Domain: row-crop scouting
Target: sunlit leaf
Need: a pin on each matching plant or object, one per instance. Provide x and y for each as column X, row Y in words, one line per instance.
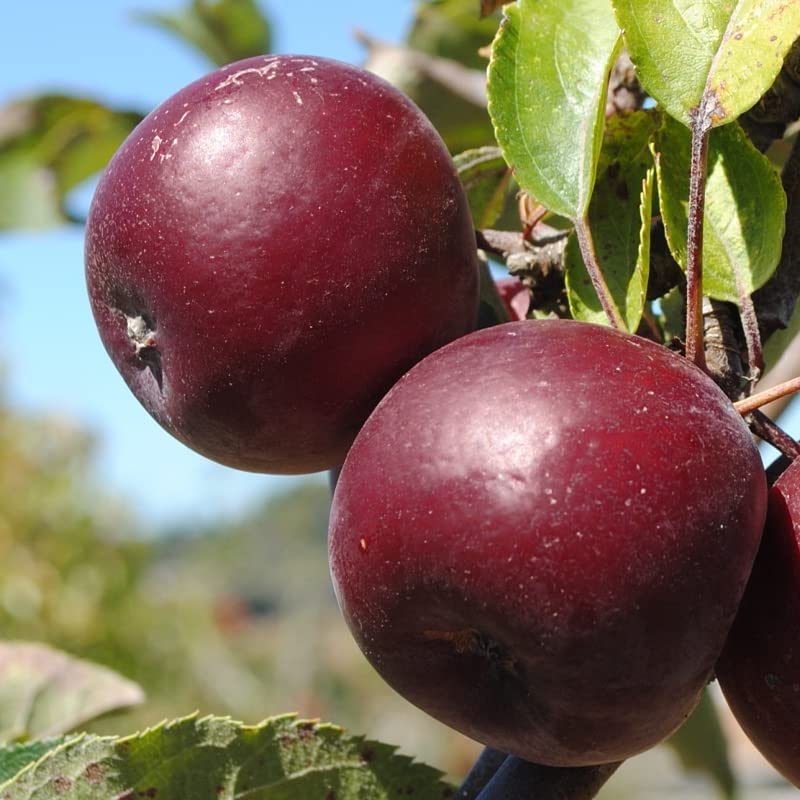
column 15, row 757
column 744, row 209
column 44, row 692
column 279, row 759
column 619, row 216
column 716, row 56
column 547, row 86
column 224, row 30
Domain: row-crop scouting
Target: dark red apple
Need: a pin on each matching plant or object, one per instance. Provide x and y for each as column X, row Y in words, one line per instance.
column 759, row 670
column 542, row 534
column 270, row 250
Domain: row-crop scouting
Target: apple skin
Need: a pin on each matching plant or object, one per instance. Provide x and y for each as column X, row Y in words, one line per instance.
column 270, row 250
column 548, row 559
column 759, row 670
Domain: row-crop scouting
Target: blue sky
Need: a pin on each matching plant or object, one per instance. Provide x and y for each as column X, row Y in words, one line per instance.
column 49, row 344
column 54, row 357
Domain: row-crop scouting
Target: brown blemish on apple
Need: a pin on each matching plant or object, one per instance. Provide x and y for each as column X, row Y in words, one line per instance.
column 468, row 641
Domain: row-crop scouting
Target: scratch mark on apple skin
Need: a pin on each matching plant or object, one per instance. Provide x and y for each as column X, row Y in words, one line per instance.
column 236, row 78
column 156, row 143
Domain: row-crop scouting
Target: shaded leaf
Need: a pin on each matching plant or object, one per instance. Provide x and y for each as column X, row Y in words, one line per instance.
column 224, row 31
column 717, row 56
column 547, row 85
column 44, row 692
column 279, row 759
column 49, row 145
column 15, row 757
column 701, row 746
column 619, row 216
column 485, row 177
column 744, row 210
column 671, row 314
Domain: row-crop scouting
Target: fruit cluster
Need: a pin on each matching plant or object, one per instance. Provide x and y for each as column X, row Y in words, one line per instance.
column 542, row 533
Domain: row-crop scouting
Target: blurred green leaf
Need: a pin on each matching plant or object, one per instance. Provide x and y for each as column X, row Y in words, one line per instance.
column 715, row 56
column 701, row 746
column 448, row 32
column 49, row 145
column 224, row 31
column 15, row 757
column 547, row 85
column 282, row 758
column 745, row 209
column 44, row 692
column 619, row 216
column 452, row 29
column 485, row 177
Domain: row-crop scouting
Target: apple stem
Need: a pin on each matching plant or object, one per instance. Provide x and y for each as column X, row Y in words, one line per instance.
column 521, row 780
column 752, row 335
column 586, row 243
column 762, row 426
column 695, row 350
column 749, row 404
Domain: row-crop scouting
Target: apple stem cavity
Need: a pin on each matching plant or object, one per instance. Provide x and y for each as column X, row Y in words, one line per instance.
column 142, row 335
column 522, row 780
column 586, row 244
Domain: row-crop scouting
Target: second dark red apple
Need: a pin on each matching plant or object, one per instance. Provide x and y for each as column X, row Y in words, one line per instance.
column 542, row 534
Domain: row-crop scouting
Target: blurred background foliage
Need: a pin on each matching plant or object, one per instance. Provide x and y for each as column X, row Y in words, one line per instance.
column 237, row 618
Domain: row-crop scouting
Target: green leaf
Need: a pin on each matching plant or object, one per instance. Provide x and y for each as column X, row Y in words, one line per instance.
column 548, row 79
column 28, row 195
column 717, row 56
column 701, row 746
column 280, row 759
column 450, row 34
column 225, row 30
column 44, row 692
column 486, row 179
column 744, row 210
column 15, row 757
column 48, row 146
column 619, row 217
column 451, row 29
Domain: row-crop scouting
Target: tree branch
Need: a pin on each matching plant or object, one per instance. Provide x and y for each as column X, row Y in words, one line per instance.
column 521, row 780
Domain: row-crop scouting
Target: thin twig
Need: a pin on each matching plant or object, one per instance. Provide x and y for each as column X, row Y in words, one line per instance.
column 695, row 351
column 521, row 780
column 483, row 770
column 749, row 404
column 752, row 336
column 768, row 430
